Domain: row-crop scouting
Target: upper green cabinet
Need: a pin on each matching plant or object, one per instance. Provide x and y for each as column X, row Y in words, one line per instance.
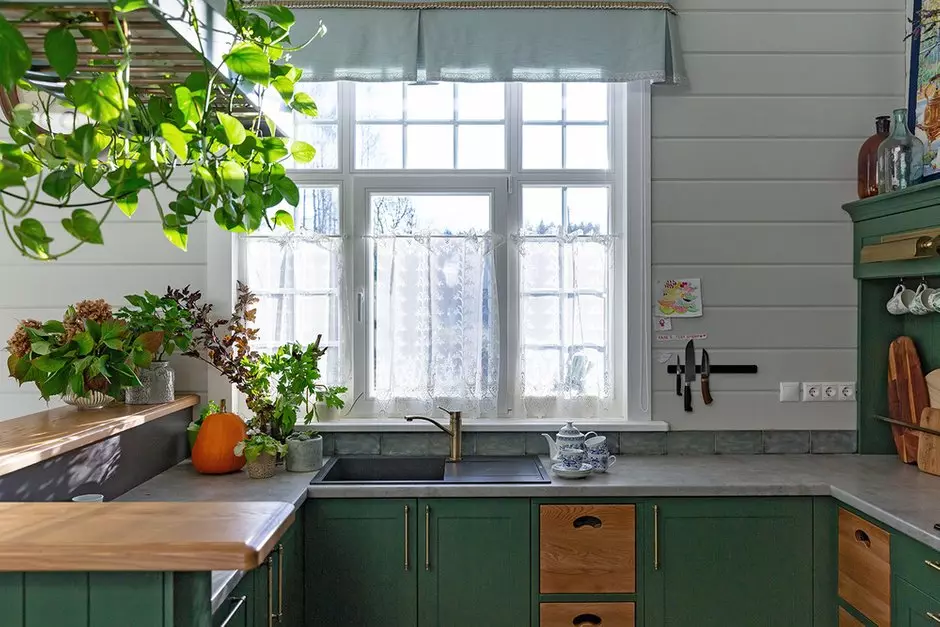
column 730, row 561
column 407, row 562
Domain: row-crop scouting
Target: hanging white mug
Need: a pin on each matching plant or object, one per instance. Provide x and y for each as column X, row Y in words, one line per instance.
column 920, row 304
column 900, row 302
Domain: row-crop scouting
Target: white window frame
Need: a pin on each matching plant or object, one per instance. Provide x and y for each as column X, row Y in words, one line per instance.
column 629, row 143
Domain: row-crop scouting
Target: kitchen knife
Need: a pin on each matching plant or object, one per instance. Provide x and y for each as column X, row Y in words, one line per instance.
column 689, row 375
column 678, row 376
column 706, row 371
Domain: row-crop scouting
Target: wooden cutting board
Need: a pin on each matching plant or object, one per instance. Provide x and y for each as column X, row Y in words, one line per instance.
column 928, row 446
column 907, row 395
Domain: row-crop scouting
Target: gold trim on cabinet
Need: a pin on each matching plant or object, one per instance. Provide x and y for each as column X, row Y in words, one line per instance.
column 933, row 617
column 407, row 548
column 656, row 537
column 270, row 562
column 427, row 537
column 934, row 565
column 280, row 582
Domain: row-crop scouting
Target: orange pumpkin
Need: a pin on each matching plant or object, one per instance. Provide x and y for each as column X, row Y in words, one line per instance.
column 213, row 453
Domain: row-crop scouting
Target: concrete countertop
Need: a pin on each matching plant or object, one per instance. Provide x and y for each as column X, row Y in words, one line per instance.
column 880, row 486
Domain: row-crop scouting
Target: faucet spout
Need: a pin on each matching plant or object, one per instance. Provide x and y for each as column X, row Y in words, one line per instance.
column 455, row 432
column 432, row 421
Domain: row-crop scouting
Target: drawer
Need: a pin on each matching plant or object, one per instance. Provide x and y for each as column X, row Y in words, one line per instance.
column 586, row 614
column 847, row 620
column 587, row 549
column 865, row 567
column 917, row 563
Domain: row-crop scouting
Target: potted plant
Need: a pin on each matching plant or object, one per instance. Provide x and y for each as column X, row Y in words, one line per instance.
column 87, row 358
column 149, row 312
column 192, row 429
column 260, row 451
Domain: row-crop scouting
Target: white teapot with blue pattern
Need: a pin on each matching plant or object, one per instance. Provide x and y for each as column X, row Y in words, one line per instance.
column 568, row 437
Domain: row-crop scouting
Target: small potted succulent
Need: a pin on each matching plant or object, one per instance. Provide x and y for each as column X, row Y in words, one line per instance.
column 260, row 451
column 88, row 357
column 149, row 312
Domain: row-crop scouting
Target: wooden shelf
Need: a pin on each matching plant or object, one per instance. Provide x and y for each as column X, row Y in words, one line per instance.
column 37, row 437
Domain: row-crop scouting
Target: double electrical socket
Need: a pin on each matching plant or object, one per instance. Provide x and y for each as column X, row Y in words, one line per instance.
column 819, row 392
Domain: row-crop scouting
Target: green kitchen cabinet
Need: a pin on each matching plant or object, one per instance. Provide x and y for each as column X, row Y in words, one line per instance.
column 913, row 608
column 475, row 564
column 729, row 561
column 238, row 609
column 408, row 562
column 290, row 572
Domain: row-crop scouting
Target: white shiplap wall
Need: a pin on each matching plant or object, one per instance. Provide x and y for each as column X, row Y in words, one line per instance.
column 752, row 160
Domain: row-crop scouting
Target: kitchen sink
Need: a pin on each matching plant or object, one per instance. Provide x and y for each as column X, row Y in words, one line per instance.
column 378, row 469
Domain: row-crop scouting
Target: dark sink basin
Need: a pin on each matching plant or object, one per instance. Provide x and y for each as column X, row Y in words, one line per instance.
column 377, row 469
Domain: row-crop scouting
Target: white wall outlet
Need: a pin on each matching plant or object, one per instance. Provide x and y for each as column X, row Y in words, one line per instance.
column 830, row 391
column 847, row 391
column 812, row 392
column 789, row 391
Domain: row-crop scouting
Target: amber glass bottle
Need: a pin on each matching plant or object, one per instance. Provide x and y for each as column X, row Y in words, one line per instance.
column 868, row 158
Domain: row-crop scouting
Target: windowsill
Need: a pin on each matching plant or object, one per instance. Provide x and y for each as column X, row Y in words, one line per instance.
column 470, row 425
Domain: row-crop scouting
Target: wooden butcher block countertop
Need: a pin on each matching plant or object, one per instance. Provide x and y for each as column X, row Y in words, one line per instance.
column 28, row 440
column 127, row 536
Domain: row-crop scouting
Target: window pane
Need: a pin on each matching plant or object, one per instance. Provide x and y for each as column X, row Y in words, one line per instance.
column 275, row 319
column 541, row 371
column 541, row 210
column 324, row 94
column 430, row 102
column 318, row 211
column 317, row 265
column 378, row 147
column 542, row 323
column 586, row 147
column 269, row 264
column 325, row 139
column 541, row 266
column 436, row 214
column 379, row 101
column 588, row 210
column 590, row 263
column 586, row 317
column 481, row 101
column 541, row 147
column 313, row 318
column 481, row 147
column 586, row 102
column 541, row 102
column 430, row 147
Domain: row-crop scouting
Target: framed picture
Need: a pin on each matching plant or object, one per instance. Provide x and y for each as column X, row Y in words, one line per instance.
column 923, row 80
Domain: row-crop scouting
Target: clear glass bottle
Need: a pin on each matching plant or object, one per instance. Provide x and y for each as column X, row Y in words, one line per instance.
column 868, row 158
column 900, row 157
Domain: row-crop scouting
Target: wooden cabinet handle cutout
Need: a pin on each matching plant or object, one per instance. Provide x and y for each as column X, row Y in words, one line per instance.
column 862, row 537
column 587, row 521
column 586, row 620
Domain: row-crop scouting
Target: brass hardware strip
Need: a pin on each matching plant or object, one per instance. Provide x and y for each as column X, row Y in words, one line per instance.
column 933, row 617
column 239, row 602
column 427, row 537
column 931, row 232
column 934, row 565
column 900, row 250
column 469, row 5
column 656, row 537
column 407, row 548
column 270, row 562
column 901, row 423
column 280, row 582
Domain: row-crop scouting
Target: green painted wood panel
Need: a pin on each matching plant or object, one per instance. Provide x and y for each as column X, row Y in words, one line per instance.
column 912, row 607
column 355, row 563
column 238, row 614
column 732, row 561
column 191, row 599
column 825, row 562
column 477, row 569
column 11, row 599
column 59, row 599
column 292, row 571
column 115, row 597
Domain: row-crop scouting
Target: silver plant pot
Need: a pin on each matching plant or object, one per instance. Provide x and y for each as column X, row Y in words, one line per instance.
column 157, row 385
column 305, row 455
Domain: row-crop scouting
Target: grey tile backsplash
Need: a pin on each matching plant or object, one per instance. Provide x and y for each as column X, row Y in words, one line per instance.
column 625, row 443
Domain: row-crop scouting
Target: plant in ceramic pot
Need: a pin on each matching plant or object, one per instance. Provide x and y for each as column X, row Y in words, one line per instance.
column 260, row 451
column 88, row 357
column 149, row 312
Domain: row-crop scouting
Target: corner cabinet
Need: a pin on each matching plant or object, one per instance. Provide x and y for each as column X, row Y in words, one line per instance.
column 425, row 562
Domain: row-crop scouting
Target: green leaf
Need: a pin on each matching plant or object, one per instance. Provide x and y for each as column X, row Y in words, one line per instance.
column 47, row 363
column 127, row 204
column 302, row 152
column 87, row 143
column 102, row 365
column 187, row 106
column 84, row 342
column 61, row 51
column 249, row 60
column 233, row 175
column 99, row 99
column 22, row 115
column 77, row 383
column 303, row 103
column 99, row 39
column 126, row 6
column 175, row 139
column 94, row 328
column 279, row 15
column 53, row 326
column 178, row 235
column 15, row 57
column 83, row 226
column 91, row 176
column 41, row 348
column 113, row 343
column 272, row 149
column 289, row 190
column 60, row 182
column 32, row 235
column 285, row 87
column 234, row 131
column 285, row 219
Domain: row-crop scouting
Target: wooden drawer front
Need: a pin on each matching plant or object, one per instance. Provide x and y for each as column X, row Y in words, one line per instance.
column 586, row 614
column 917, row 563
column 587, row 548
column 847, row 620
column 865, row 567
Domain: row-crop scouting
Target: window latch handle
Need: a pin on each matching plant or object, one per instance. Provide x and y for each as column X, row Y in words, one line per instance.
column 360, row 303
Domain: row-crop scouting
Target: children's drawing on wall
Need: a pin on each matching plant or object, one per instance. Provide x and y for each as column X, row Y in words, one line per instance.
column 679, row 298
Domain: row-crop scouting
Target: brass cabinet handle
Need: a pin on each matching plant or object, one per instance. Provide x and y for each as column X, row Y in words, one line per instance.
column 239, row 602
column 270, row 562
column 407, row 548
column 280, row 582
column 427, row 537
column 656, row 537
column 934, row 565
column 933, row 617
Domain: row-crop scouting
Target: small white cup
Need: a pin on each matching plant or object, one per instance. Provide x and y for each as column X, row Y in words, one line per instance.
column 933, row 301
column 920, row 303
column 900, row 302
column 88, row 498
column 571, row 458
column 600, row 462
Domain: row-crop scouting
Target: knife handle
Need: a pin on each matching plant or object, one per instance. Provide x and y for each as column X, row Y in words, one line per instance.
column 706, row 391
column 678, row 382
column 687, row 398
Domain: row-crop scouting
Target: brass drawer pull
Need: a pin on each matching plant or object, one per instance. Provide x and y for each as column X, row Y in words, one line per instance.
column 427, row 537
column 280, row 582
column 933, row 617
column 588, row 521
column 239, row 602
column 407, row 548
column 656, row 537
column 934, row 565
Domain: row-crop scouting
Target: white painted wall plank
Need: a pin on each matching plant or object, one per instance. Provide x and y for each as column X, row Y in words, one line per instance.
column 751, row 410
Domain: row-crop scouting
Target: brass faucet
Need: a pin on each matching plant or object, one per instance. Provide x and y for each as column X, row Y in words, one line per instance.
column 455, row 431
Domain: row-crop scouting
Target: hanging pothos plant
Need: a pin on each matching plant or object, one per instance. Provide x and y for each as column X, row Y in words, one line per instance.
column 123, row 142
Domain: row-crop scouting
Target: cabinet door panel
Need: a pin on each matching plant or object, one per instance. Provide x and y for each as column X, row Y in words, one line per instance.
column 290, row 573
column 913, row 608
column 235, row 612
column 731, row 562
column 477, row 570
column 356, row 563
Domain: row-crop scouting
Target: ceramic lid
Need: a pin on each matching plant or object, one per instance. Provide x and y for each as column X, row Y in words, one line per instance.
column 569, row 431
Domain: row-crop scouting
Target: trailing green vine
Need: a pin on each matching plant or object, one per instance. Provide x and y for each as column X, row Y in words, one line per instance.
column 124, row 143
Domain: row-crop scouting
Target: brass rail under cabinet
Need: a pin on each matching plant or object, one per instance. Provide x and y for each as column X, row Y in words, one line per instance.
column 922, row 244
